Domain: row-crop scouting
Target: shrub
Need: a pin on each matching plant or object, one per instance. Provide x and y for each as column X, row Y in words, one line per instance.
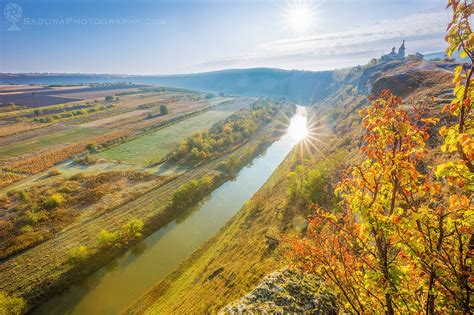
column 78, row 254
column 109, row 98
column 309, row 184
column 23, row 196
column 26, row 228
column 24, row 241
column 10, row 305
column 6, row 228
column 134, row 228
column 53, row 201
column 32, row 217
column 163, row 110
column 91, row 147
column 192, row 191
column 106, row 238
column 86, row 160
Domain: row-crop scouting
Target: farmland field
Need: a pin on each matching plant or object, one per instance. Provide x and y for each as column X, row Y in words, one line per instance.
column 44, row 96
column 36, row 138
column 66, row 179
column 65, row 137
column 156, row 145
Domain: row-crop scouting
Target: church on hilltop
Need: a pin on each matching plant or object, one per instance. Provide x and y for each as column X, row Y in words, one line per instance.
column 393, row 55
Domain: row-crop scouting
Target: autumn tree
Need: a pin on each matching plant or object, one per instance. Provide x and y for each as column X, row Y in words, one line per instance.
column 458, row 172
column 402, row 240
column 357, row 250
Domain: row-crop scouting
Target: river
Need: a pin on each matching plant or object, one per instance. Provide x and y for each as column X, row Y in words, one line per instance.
column 117, row 285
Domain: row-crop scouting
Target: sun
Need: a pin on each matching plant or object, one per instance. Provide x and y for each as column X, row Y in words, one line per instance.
column 299, row 16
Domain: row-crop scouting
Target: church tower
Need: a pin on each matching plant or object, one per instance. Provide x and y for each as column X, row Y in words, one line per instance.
column 401, row 50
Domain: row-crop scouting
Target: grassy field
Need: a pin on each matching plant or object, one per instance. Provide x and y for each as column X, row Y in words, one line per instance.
column 156, row 145
column 65, row 137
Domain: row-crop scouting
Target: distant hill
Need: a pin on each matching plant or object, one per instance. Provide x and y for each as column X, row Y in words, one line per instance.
column 302, row 87
column 442, row 54
column 299, row 86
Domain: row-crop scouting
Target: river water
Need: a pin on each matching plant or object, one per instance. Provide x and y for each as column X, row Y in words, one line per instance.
column 121, row 282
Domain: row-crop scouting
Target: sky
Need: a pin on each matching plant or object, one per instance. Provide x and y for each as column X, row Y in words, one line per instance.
column 188, row 36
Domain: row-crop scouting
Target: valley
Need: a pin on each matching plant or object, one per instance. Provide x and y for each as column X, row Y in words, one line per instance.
column 170, row 201
column 256, row 241
column 78, row 186
column 236, row 157
column 154, row 257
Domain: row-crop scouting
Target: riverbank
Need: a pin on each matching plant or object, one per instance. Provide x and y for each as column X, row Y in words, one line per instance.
column 114, row 287
column 45, row 270
column 232, row 262
column 235, row 259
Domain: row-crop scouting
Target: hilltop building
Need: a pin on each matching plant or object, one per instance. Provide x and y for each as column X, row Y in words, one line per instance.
column 393, row 55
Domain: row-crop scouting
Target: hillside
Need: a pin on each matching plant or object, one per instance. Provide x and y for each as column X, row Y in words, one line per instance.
column 250, row 246
column 298, row 86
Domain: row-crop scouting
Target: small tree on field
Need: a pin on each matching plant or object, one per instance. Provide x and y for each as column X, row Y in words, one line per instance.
column 91, row 147
column 163, row 110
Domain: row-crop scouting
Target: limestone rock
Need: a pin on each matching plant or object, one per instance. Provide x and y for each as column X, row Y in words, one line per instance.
column 284, row 292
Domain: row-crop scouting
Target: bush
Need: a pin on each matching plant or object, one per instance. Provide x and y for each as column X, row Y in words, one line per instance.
column 32, row 217
column 109, row 98
column 192, row 191
column 134, row 228
column 91, row 147
column 53, row 201
column 79, row 254
column 106, row 238
column 86, row 160
column 26, row 228
column 23, row 196
column 163, row 110
column 10, row 305
column 311, row 184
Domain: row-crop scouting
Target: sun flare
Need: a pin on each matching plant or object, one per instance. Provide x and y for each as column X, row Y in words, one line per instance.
column 299, row 16
column 298, row 128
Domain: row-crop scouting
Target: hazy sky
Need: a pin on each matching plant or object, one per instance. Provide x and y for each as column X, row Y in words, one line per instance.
column 163, row 37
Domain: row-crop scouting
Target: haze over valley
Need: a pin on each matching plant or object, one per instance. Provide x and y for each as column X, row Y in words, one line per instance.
column 230, row 157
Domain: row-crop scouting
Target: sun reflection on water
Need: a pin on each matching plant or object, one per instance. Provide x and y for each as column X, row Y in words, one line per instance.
column 298, row 128
column 310, row 132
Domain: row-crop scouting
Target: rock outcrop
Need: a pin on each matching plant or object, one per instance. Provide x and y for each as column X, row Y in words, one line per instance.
column 284, row 292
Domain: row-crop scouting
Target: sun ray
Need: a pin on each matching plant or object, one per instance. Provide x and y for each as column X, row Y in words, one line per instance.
column 299, row 16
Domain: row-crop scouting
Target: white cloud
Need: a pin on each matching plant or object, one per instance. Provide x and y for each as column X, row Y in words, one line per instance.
column 423, row 33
